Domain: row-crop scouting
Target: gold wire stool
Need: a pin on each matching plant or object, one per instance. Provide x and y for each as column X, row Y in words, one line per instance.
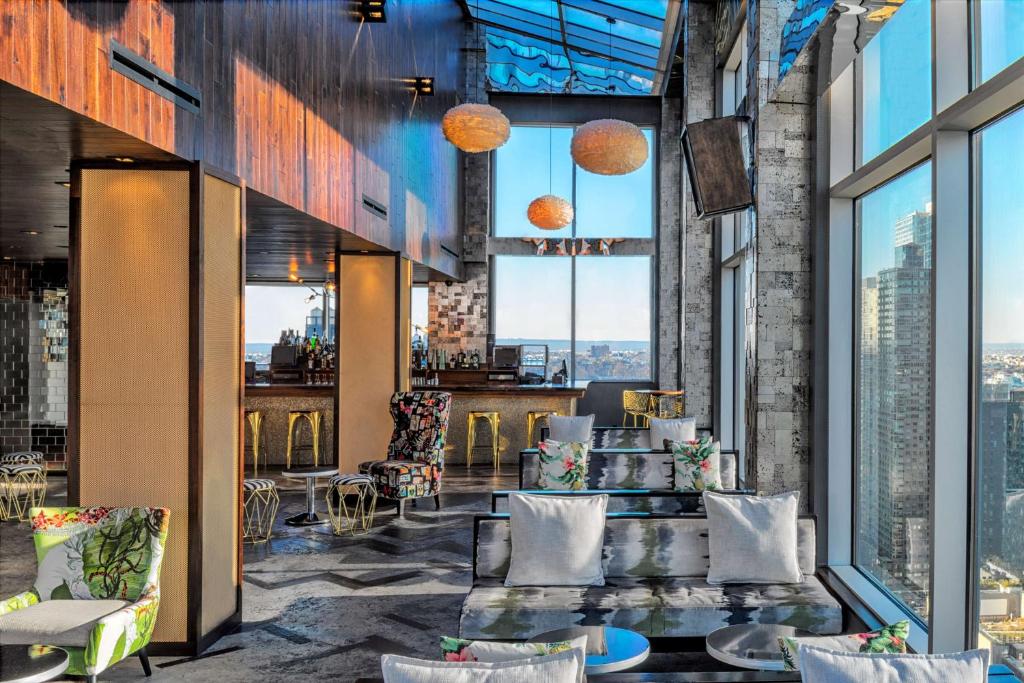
column 636, row 404
column 313, row 416
column 22, row 487
column 493, row 419
column 259, row 509
column 532, row 418
column 354, row 516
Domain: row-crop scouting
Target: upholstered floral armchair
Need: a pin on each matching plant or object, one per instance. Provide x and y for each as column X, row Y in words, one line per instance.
column 97, row 586
column 415, row 458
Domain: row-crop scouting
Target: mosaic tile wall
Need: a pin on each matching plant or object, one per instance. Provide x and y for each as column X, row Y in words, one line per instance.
column 33, row 359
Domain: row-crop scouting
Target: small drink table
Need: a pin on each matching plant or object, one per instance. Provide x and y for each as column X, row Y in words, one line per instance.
column 31, row 663
column 310, row 474
column 752, row 646
column 625, row 648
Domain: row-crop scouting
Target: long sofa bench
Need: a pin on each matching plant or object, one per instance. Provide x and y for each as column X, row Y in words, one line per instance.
column 662, row 501
column 621, row 468
column 655, row 570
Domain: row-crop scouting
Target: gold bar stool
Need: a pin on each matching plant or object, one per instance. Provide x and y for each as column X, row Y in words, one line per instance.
column 313, row 416
column 255, row 420
column 532, row 418
column 494, row 419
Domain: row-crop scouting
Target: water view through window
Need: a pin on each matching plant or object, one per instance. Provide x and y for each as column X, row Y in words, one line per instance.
column 533, row 305
column 893, row 408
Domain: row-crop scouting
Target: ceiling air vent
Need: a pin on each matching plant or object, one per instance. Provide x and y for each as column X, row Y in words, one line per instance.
column 150, row 76
column 375, row 207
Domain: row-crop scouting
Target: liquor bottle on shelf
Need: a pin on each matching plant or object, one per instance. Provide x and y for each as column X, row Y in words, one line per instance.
column 474, row 360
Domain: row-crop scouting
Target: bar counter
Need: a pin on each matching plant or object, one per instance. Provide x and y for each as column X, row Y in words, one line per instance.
column 512, row 402
column 275, row 401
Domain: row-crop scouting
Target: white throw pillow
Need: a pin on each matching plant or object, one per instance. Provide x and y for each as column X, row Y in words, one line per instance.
column 560, row 668
column 462, row 650
column 753, row 539
column 556, row 540
column 827, row 666
column 577, row 428
column 674, row 429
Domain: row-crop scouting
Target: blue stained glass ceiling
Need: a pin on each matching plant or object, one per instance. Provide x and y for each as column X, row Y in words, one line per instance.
column 608, row 47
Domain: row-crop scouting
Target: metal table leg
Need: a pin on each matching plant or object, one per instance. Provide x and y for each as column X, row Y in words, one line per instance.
column 309, row 517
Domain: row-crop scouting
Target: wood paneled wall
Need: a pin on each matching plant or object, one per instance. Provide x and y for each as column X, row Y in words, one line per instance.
column 300, row 99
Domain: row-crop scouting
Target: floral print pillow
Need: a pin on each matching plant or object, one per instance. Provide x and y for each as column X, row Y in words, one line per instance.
column 462, row 650
column 563, row 465
column 697, row 464
column 891, row 639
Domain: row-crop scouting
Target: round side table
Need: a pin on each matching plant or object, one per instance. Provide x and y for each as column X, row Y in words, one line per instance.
column 752, row 646
column 31, row 663
column 624, row 648
column 310, row 474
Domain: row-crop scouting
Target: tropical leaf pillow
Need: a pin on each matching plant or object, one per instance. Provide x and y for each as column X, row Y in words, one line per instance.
column 891, row 639
column 697, row 464
column 462, row 650
column 563, row 465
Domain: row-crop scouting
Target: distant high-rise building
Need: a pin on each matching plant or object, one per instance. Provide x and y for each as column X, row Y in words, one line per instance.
column 895, row 421
column 916, row 228
column 600, row 350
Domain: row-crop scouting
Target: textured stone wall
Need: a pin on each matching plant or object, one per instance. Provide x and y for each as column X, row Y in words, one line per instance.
column 699, row 268
column 670, row 247
column 779, row 303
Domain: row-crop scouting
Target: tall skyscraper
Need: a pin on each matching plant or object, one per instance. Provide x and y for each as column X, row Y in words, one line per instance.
column 895, row 427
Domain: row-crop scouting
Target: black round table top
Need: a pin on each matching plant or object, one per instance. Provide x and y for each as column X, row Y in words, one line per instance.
column 31, row 663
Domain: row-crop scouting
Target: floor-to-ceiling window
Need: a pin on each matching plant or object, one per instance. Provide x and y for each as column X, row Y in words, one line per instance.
column 585, row 290
column 999, row 148
column 734, row 271
column 893, row 407
column 925, row 357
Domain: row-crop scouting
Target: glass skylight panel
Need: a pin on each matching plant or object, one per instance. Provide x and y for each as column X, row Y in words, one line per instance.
column 582, row 46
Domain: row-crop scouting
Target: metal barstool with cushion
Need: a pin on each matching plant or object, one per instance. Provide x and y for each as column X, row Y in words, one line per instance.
column 493, row 419
column 532, row 418
column 313, row 417
column 260, row 500
column 351, row 502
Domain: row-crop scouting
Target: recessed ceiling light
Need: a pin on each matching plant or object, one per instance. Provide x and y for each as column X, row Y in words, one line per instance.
column 29, row 232
column 62, row 183
column 364, row 251
column 123, row 160
column 7, row 258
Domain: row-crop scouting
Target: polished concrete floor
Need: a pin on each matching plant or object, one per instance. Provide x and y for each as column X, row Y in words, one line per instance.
column 321, row 607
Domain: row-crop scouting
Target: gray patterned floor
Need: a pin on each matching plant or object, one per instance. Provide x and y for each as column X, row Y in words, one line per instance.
column 320, row 607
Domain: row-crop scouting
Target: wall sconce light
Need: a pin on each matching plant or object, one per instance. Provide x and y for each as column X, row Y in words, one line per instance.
column 123, row 160
column 372, row 11
column 423, row 85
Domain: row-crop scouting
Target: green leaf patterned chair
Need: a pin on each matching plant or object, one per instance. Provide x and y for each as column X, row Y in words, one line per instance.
column 97, row 586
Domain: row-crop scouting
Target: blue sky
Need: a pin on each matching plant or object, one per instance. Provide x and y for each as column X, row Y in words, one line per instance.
column 1002, row 230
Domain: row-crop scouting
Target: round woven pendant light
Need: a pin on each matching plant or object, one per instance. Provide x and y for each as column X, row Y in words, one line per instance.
column 609, row 147
column 475, row 127
column 549, row 212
